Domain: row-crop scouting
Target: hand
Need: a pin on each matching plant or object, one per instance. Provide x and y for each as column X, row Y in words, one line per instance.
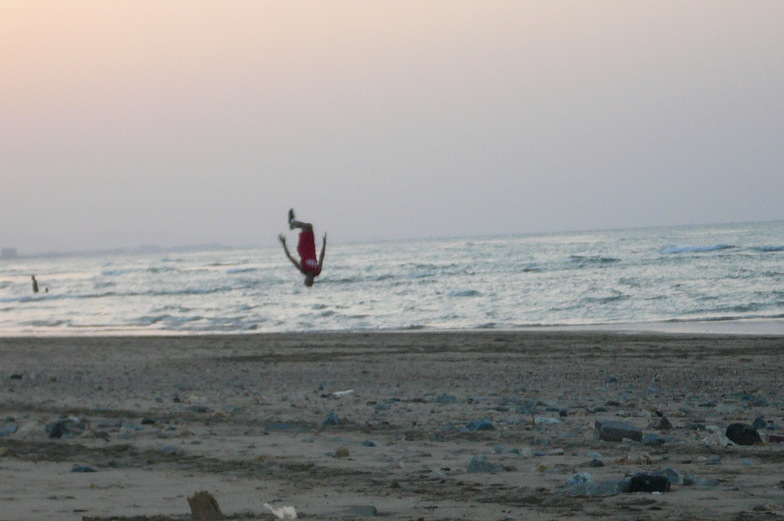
column 282, row 239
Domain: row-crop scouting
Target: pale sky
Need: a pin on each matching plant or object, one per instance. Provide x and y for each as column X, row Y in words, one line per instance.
column 174, row 123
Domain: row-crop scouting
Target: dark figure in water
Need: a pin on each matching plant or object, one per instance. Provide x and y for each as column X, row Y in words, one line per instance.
column 308, row 265
column 35, row 284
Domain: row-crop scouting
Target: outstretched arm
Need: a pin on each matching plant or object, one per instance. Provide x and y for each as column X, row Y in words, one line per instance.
column 282, row 239
column 323, row 251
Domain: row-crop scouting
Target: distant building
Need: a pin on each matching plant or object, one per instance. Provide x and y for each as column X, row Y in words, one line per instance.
column 8, row 253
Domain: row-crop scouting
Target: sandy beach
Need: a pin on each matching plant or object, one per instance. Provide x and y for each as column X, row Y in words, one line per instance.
column 401, row 426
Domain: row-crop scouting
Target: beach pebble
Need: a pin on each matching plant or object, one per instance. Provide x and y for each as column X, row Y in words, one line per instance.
column 655, row 440
column 672, row 475
column 615, row 431
column 716, row 439
column 583, row 484
column 66, row 428
column 332, row 419
column 8, row 428
column 662, row 424
column 6, row 452
column 446, row 399
column 483, row 425
column 82, row 468
column 743, row 434
column 644, row 482
column 594, row 463
column 480, row 464
column 342, row 452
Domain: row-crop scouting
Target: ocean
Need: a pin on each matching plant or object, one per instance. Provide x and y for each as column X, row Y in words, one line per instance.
column 669, row 278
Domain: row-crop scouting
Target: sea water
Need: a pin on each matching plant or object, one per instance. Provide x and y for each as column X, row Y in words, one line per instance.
column 728, row 274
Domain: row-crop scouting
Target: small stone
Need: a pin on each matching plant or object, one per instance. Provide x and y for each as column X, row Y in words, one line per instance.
column 649, row 483
column 332, row 419
column 594, row 463
column 482, row 425
column 342, row 452
column 615, row 431
column 446, row 398
column 672, row 475
column 8, row 428
column 480, row 464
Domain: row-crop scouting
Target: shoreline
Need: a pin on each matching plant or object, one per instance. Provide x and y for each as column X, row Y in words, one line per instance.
column 427, row 425
column 746, row 327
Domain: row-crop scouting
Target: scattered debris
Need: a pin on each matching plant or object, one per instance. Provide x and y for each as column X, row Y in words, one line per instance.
column 286, row 512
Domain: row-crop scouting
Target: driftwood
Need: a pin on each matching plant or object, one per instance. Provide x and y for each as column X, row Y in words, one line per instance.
column 204, row 507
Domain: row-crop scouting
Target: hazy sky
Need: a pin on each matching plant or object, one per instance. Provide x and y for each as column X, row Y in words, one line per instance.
column 186, row 122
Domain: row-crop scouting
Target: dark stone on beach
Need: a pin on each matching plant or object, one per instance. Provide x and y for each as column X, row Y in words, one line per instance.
column 664, row 424
column 198, row 408
column 446, row 398
column 110, row 424
column 649, row 483
column 759, row 423
column 654, row 440
column 480, row 464
column 8, row 428
column 755, row 401
column 117, row 464
column 672, row 475
column 615, row 431
column 332, row 419
column 743, row 434
column 16, row 376
column 594, row 463
column 482, row 425
column 82, row 468
column 65, row 428
column 148, row 421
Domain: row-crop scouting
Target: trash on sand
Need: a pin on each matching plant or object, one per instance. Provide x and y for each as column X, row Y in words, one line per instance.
column 282, row 512
column 204, row 507
column 339, row 394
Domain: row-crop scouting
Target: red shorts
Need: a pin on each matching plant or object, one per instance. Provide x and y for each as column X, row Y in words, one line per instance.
column 307, row 252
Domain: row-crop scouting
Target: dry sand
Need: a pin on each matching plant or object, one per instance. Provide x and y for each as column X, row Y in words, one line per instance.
column 247, row 418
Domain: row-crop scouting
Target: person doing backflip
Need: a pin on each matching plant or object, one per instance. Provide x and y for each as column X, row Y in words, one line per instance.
column 306, row 247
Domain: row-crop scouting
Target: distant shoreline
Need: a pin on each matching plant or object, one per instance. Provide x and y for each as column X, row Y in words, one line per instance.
column 737, row 328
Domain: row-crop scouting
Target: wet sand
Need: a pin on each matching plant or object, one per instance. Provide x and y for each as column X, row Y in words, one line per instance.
column 416, row 425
